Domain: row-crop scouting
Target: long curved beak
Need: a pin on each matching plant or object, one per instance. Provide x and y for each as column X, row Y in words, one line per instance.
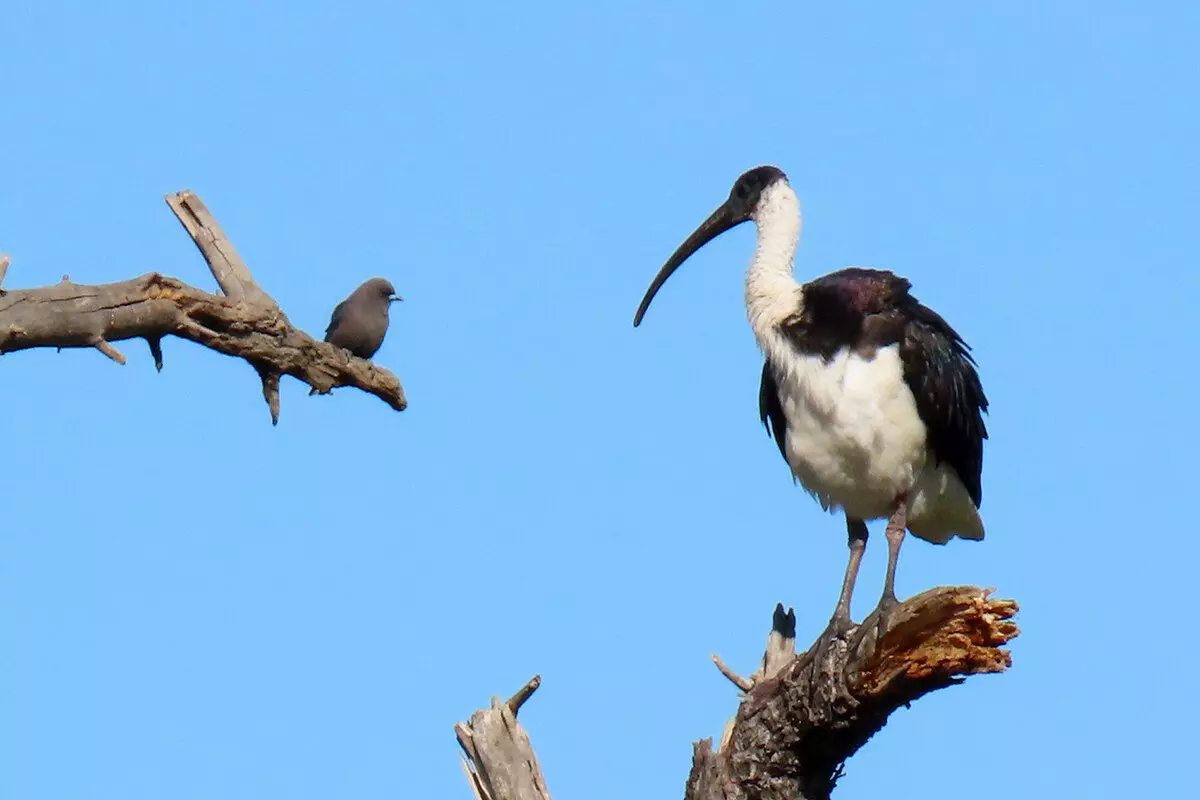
column 717, row 223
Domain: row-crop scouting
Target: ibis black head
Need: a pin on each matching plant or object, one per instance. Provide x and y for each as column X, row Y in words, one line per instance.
column 739, row 207
column 380, row 287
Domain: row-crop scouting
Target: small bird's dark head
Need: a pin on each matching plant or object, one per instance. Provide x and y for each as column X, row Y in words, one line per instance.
column 380, row 287
column 739, row 207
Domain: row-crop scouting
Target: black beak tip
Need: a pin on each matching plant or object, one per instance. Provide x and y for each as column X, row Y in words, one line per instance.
column 717, row 223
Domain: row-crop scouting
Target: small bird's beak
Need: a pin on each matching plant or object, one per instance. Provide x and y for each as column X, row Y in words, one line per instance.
column 717, row 223
column 393, row 298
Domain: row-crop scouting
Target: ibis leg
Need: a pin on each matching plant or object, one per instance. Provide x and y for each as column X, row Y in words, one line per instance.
column 856, row 531
column 896, row 526
column 840, row 624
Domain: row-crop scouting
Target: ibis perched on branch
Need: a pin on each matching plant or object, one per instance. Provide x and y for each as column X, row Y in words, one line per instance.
column 872, row 397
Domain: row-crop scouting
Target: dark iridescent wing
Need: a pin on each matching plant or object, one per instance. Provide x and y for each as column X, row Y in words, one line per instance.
column 856, row 290
column 940, row 372
column 770, row 409
column 870, row 309
column 854, row 307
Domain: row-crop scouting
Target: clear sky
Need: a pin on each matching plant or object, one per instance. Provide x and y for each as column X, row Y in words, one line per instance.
column 194, row 604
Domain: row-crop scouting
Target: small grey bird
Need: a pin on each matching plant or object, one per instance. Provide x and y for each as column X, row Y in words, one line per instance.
column 360, row 322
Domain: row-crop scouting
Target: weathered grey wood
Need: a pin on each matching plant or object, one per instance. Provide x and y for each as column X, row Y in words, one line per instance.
column 246, row 323
column 499, row 759
column 270, row 387
column 799, row 720
column 153, row 306
column 227, row 267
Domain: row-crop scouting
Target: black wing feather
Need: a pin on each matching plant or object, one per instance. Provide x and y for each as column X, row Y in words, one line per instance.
column 940, row 372
column 770, row 410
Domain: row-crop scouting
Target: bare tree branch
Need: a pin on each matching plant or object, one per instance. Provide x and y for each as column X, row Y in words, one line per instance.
column 499, row 760
column 796, row 727
column 227, row 267
column 108, row 350
column 745, row 684
column 800, row 719
column 245, row 323
column 524, row 693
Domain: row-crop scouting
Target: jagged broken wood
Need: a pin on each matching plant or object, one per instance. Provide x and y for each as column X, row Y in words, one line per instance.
column 244, row 321
column 799, row 720
column 498, row 759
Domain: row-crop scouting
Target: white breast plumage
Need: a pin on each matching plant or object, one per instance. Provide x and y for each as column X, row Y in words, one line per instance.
column 854, row 438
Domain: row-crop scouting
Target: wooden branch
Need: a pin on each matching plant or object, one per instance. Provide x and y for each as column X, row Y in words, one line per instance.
column 108, row 350
column 245, row 323
column 227, row 267
column 798, row 725
column 524, row 693
column 499, row 761
column 800, row 719
column 745, row 684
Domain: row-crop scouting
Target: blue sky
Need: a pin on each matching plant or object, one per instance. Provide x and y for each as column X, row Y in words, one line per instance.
column 194, row 604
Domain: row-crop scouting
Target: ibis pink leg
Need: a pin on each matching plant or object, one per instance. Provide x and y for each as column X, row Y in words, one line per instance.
column 896, row 527
column 840, row 624
column 856, row 531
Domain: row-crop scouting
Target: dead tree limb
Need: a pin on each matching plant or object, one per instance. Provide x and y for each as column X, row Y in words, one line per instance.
column 244, row 321
column 799, row 719
column 499, row 760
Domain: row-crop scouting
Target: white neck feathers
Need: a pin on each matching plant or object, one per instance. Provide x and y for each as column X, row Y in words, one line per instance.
column 772, row 293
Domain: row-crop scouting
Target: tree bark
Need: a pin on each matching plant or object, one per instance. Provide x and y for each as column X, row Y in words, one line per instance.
column 801, row 717
column 499, row 760
column 244, row 321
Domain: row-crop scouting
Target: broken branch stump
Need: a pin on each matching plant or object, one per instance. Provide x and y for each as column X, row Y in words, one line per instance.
column 498, row 758
column 799, row 719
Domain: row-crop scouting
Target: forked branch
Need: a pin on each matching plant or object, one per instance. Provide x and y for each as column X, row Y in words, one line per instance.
column 244, row 321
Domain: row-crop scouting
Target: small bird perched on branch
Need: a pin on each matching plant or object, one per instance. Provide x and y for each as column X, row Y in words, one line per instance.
column 360, row 322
